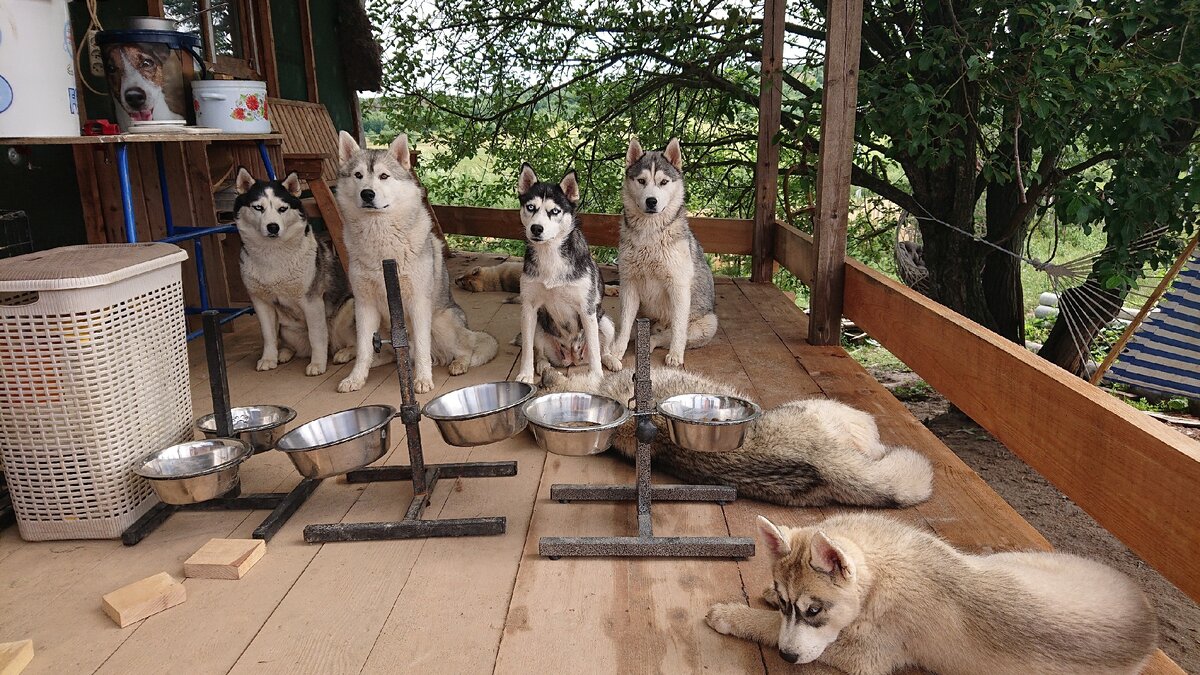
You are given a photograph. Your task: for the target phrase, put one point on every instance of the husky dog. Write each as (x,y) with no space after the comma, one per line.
(803,453)
(868,595)
(561,288)
(386,217)
(297,287)
(664,274)
(503,277)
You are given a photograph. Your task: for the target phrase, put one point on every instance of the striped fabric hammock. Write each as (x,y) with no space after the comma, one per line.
(1163,354)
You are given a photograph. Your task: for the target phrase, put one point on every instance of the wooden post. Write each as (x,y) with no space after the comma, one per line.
(766,169)
(306,45)
(843,33)
(266,33)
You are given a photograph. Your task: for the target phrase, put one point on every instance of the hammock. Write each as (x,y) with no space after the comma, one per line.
(1163,354)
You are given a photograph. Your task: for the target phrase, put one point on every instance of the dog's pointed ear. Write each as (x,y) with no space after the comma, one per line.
(634,153)
(399,149)
(777,542)
(527,178)
(244,181)
(347,146)
(828,558)
(674,154)
(570,186)
(292,184)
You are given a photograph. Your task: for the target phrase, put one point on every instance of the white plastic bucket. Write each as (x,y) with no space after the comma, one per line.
(37,70)
(234,106)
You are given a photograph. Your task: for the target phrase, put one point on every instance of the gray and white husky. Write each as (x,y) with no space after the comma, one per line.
(562,320)
(869,595)
(810,452)
(298,288)
(387,217)
(664,274)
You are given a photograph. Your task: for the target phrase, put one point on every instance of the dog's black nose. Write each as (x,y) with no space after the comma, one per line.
(789,657)
(536,230)
(136,98)
(368,196)
(651,203)
(272,229)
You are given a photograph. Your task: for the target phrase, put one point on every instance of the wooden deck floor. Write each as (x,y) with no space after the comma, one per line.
(468,605)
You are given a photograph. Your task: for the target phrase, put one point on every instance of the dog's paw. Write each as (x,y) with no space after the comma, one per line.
(674,360)
(314,369)
(527,378)
(612,291)
(423,385)
(351,383)
(512,300)
(722,617)
(343,355)
(458,366)
(611,362)
(771,597)
(552,378)
(266,364)
(285,355)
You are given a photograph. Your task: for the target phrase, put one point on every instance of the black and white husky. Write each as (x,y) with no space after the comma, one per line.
(664,274)
(297,287)
(562,320)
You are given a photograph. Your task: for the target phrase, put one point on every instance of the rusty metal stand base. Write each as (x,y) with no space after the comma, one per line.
(424,476)
(645,544)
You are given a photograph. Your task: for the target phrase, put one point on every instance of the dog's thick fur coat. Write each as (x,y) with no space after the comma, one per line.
(387,218)
(503,277)
(299,290)
(809,452)
(664,274)
(869,595)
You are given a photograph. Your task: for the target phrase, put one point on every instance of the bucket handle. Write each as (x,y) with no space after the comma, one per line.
(212,97)
(199,59)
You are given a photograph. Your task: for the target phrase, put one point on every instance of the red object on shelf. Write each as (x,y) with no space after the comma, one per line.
(100,128)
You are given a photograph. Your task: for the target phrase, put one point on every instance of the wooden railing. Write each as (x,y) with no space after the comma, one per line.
(1137,477)
(716,235)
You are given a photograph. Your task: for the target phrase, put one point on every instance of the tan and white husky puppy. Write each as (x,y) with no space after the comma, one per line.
(387,218)
(869,595)
(299,291)
(664,274)
(562,320)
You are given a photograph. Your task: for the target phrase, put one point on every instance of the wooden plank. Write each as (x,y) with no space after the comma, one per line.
(133,138)
(332,217)
(267,64)
(205,215)
(14,656)
(794,250)
(132,603)
(716,235)
(766,167)
(838,99)
(1137,477)
(89,194)
(224,558)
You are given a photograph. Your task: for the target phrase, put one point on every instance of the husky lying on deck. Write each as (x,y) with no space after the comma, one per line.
(869,595)
(804,453)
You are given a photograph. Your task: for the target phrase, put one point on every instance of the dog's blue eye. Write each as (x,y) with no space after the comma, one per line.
(812,611)
(259,208)
(555,212)
(282,209)
(530,208)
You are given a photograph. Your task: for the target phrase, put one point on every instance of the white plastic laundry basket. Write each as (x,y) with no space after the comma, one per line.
(93,375)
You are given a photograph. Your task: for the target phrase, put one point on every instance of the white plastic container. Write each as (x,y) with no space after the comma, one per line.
(37,70)
(233,106)
(93,376)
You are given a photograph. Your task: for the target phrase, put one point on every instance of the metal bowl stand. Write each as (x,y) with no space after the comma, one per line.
(645,544)
(424,476)
(283,505)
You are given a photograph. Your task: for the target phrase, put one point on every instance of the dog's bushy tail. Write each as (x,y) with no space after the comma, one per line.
(903,477)
(483,348)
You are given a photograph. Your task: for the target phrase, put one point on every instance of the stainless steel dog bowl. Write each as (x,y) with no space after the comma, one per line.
(341,442)
(482,413)
(574,423)
(708,422)
(194,472)
(258,425)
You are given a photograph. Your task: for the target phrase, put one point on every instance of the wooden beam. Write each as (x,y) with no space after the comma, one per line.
(306,46)
(794,250)
(838,100)
(1136,476)
(716,235)
(266,47)
(766,168)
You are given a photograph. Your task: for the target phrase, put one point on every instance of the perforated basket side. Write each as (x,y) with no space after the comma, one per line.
(90,381)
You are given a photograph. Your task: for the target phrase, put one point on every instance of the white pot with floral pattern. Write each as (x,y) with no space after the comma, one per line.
(235,106)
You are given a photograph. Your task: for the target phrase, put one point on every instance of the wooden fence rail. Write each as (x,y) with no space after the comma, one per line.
(1137,477)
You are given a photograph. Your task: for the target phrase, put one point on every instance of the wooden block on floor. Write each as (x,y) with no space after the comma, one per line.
(224,558)
(140,599)
(14,656)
